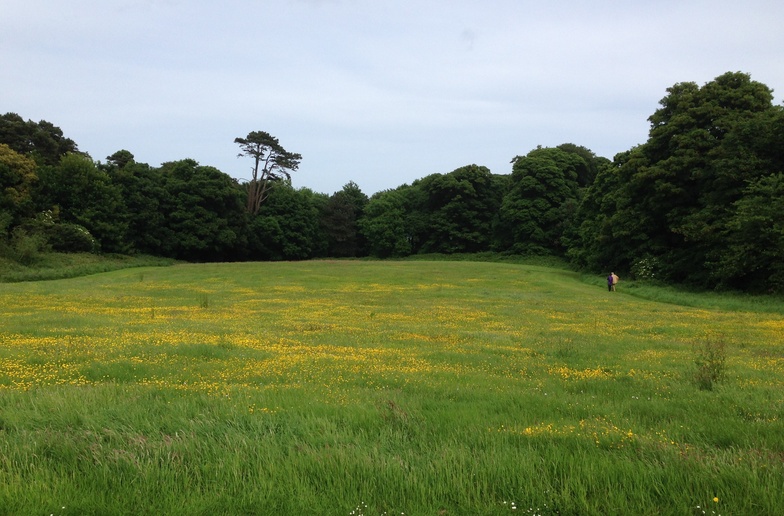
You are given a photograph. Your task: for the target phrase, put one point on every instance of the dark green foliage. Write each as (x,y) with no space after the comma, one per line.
(754,257)
(204,212)
(287,225)
(587,170)
(387,223)
(339,222)
(63,237)
(81,193)
(460,208)
(25,247)
(441,213)
(541,202)
(71,238)
(17,177)
(602,241)
(671,203)
(144,195)
(41,141)
(690,175)
(120,159)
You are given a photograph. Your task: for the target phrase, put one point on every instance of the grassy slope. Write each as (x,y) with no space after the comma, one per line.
(51,266)
(416,387)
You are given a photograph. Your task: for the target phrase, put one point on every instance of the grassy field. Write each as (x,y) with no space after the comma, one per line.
(381,388)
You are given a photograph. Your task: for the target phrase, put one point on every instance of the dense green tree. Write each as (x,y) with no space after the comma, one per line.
(742,207)
(667,209)
(17,177)
(146,200)
(593,243)
(271,163)
(121,158)
(587,170)
(541,202)
(393,222)
(754,257)
(752,150)
(461,207)
(42,141)
(287,226)
(204,213)
(613,232)
(339,221)
(81,193)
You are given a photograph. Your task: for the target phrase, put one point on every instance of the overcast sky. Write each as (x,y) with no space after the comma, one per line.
(378,92)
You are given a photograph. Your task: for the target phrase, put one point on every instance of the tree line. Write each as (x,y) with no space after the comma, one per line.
(699,203)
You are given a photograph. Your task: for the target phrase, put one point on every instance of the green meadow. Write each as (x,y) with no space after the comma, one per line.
(385,387)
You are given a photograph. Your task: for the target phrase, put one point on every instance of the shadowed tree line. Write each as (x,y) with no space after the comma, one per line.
(700,202)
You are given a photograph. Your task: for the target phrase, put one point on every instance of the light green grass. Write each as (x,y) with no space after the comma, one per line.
(380,388)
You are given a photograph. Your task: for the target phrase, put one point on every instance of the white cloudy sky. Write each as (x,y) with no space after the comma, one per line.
(378,92)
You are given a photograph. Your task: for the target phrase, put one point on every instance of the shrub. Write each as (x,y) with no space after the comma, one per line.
(710,359)
(645,268)
(26,247)
(63,237)
(71,238)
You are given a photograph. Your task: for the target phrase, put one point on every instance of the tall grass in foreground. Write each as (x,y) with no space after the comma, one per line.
(380,388)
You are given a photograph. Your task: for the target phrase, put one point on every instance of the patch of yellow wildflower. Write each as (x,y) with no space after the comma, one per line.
(601,432)
(567,373)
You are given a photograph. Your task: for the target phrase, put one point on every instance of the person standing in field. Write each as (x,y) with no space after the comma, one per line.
(612,280)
